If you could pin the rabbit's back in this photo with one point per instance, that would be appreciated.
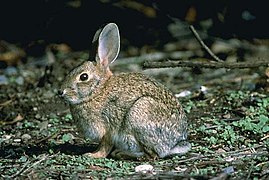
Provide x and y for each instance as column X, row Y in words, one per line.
column 126, row 88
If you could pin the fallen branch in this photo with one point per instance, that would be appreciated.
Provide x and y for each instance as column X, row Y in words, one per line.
column 27, row 166
column 42, row 158
column 246, row 152
column 19, row 171
column 18, row 118
column 202, row 64
column 201, row 42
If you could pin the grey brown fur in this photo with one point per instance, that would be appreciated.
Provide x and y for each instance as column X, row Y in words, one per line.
column 128, row 112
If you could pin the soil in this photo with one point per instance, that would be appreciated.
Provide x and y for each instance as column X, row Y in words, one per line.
column 35, row 121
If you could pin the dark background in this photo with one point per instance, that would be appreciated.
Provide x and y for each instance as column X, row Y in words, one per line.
column 74, row 22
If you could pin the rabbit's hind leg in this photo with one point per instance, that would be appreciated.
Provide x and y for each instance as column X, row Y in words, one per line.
column 119, row 154
column 126, row 147
column 156, row 131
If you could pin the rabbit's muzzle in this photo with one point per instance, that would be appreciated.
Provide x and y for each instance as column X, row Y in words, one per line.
column 69, row 95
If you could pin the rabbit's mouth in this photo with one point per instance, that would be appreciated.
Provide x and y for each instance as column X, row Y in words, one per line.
column 70, row 96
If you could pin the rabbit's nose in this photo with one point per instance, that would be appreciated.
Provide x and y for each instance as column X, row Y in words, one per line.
column 60, row 92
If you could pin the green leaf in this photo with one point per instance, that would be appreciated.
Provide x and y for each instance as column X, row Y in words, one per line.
column 23, row 159
column 265, row 129
column 67, row 137
column 263, row 119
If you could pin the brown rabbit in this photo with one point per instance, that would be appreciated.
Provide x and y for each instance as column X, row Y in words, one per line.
column 130, row 112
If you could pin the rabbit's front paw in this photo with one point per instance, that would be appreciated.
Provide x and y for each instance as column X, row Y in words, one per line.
column 103, row 150
column 98, row 154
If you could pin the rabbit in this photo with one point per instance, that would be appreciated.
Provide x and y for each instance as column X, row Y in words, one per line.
column 129, row 115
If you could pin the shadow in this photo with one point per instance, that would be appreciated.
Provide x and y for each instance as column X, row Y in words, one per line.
column 16, row 151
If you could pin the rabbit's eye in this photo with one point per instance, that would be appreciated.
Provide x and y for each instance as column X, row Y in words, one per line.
column 84, row 77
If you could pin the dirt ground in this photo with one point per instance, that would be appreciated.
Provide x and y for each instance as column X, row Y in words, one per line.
column 227, row 108
column 227, row 111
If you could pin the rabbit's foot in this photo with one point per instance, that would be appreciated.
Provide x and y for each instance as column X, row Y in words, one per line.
column 181, row 148
column 119, row 154
column 98, row 154
column 103, row 150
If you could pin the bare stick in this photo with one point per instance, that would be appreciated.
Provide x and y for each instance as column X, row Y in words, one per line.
column 19, row 171
column 43, row 158
column 202, row 64
column 204, row 45
column 26, row 167
column 238, row 153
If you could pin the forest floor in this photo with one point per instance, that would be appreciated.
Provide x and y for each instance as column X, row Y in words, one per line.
column 227, row 111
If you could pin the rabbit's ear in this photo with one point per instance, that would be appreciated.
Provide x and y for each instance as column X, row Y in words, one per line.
column 108, row 44
column 93, row 56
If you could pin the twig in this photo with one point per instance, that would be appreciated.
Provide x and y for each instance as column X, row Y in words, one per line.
column 265, row 137
column 250, row 171
column 245, row 149
column 36, row 163
column 204, row 45
column 240, row 152
column 18, row 172
column 210, row 162
column 6, row 103
column 24, row 170
column 250, row 154
column 15, row 120
column 48, row 137
column 201, row 64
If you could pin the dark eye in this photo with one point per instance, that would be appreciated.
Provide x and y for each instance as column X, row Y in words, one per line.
column 84, row 77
